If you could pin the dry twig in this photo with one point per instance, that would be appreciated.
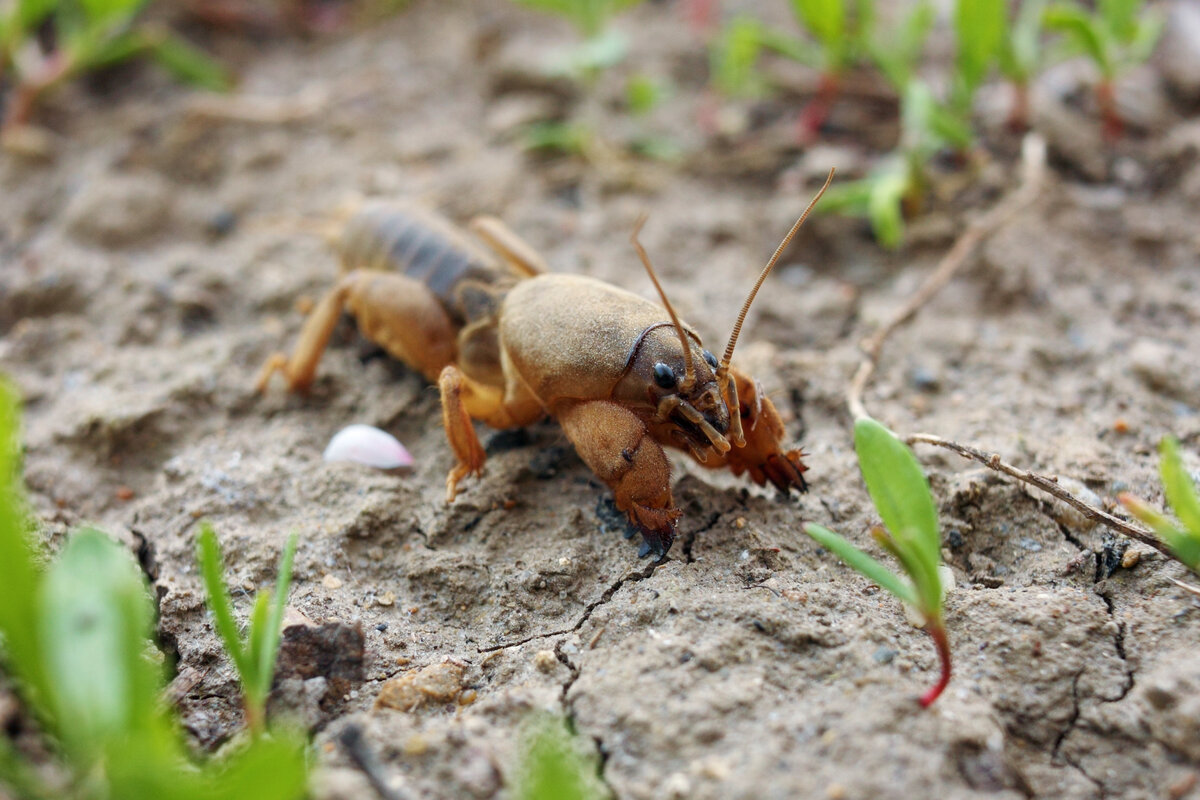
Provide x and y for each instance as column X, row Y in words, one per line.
column 1048, row 484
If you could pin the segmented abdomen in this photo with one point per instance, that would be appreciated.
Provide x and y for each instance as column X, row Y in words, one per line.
column 426, row 248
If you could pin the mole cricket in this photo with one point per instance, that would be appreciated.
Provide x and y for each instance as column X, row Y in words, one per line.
column 508, row 343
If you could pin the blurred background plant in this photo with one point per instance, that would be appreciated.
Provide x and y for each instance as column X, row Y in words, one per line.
column 1182, row 496
column 1116, row 35
column 554, row 765
column 77, row 638
column 45, row 43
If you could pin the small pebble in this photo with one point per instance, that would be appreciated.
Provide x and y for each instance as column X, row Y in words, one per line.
column 1130, row 559
column 386, row 599
column 363, row 444
column 331, row 582
column 545, row 660
column 124, row 493
column 884, row 655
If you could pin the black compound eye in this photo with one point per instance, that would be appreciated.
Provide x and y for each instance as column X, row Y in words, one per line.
column 664, row 376
column 711, row 359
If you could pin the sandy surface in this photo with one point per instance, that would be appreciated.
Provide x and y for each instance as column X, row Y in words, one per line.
column 749, row 664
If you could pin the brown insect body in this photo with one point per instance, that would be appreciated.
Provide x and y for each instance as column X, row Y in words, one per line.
column 508, row 343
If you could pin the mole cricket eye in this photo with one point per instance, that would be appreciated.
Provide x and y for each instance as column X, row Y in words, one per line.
column 664, row 376
column 711, row 359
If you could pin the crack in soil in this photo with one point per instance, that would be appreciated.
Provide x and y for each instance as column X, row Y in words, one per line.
column 632, row 577
column 690, row 540
column 568, row 708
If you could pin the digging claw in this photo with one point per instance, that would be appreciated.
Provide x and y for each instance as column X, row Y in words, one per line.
column 786, row 471
column 656, row 542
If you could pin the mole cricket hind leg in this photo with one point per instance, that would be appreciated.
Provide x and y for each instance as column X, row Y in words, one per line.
column 465, row 400
column 395, row 311
column 614, row 442
column 763, row 456
column 516, row 252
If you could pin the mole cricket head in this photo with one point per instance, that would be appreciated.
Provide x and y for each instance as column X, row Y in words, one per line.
column 684, row 408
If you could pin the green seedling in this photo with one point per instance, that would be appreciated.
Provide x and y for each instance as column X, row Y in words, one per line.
column 979, row 29
column 1117, row 35
column 1022, row 56
column 86, row 35
column 733, row 59
column 841, row 30
column 601, row 46
column 553, row 766
column 76, row 637
column 895, row 189
column 1182, row 539
column 901, row 495
column 254, row 655
column 898, row 53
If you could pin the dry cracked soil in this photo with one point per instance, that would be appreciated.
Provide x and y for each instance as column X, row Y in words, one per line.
column 154, row 262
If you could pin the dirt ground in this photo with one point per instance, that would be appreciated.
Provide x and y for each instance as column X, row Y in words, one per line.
column 148, row 269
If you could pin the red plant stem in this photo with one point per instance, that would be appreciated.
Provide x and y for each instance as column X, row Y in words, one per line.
column 701, row 16
column 938, row 633
column 1114, row 126
column 816, row 112
column 1018, row 115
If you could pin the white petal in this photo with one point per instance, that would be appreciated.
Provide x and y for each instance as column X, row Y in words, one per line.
column 370, row 446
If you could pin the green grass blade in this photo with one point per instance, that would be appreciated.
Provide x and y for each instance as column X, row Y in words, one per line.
column 212, row 568
column 861, row 562
column 19, row 575
column 256, row 683
column 274, row 623
column 901, row 494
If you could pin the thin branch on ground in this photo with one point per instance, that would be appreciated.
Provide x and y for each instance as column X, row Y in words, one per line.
column 1033, row 168
column 351, row 739
column 1048, row 484
column 1187, row 587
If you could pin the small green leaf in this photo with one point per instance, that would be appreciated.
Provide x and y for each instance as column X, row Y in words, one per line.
column 189, row 65
column 863, row 563
column 563, row 137
column 96, row 622
column 885, row 207
column 1021, row 53
column 31, row 13
column 901, row 494
column 552, row 765
column 1083, row 31
column 212, row 568
column 643, row 93
column 108, row 13
column 825, row 19
column 1181, row 494
column 980, row 27
column 283, row 582
column 733, row 58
